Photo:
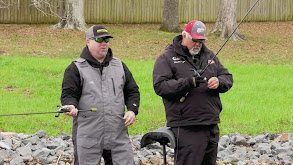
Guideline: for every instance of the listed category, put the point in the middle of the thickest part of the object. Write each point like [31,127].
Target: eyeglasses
[196,40]
[100,40]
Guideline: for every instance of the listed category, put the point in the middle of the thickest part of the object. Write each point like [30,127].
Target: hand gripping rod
[228,38]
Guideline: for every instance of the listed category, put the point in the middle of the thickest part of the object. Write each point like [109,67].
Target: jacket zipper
[192,66]
[113,87]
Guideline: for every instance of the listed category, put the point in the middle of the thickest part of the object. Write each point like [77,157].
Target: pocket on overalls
[86,142]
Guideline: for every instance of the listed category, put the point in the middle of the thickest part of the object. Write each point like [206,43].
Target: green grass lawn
[33,59]
[260,99]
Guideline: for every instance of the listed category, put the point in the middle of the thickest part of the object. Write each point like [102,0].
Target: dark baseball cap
[196,29]
[97,31]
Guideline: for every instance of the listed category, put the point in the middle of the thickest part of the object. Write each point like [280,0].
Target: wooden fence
[141,11]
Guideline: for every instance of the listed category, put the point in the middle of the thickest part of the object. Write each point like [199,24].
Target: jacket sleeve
[164,82]
[71,86]
[225,78]
[131,91]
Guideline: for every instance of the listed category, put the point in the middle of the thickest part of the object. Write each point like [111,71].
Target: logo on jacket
[211,61]
[177,60]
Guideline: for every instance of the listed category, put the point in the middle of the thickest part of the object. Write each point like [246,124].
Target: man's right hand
[73,111]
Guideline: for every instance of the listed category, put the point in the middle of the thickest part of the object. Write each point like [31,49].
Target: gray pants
[121,155]
[89,151]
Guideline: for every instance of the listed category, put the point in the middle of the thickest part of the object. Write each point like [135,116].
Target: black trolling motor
[197,74]
[62,109]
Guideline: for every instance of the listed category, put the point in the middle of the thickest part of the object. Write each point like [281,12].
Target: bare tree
[226,21]
[170,21]
[73,15]
[4,5]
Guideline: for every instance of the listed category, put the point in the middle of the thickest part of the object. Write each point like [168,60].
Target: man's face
[98,47]
[194,46]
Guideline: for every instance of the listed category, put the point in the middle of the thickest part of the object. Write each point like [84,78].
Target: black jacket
[172,79]
[72,88]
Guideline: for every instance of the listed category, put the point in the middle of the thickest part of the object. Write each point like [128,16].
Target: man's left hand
[213,83]
[129,117]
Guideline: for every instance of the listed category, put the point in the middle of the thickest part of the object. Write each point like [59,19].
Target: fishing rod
[197,74]
[62,109]
[228,38]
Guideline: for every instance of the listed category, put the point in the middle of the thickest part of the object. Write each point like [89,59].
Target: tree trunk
[170,21]
[226,21]
[73,15]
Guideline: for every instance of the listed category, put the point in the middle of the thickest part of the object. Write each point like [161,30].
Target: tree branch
[39,3]
[3,5]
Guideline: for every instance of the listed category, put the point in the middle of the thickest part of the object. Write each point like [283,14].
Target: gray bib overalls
[104,129]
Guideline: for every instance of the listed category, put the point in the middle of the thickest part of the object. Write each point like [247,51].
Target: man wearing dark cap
[192,101]
[98,80]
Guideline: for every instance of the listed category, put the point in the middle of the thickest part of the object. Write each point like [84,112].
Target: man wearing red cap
[192,102]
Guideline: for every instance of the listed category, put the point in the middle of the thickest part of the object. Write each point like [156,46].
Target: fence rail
[141,11]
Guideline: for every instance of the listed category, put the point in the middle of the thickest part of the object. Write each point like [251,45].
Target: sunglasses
[100,40]
[196,40]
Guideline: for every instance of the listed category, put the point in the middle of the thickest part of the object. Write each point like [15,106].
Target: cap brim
[104,35]
[199,37]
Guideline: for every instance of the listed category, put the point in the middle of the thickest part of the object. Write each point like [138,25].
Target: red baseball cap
[196,29]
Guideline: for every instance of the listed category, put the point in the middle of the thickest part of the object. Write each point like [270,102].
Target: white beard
[194,51]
